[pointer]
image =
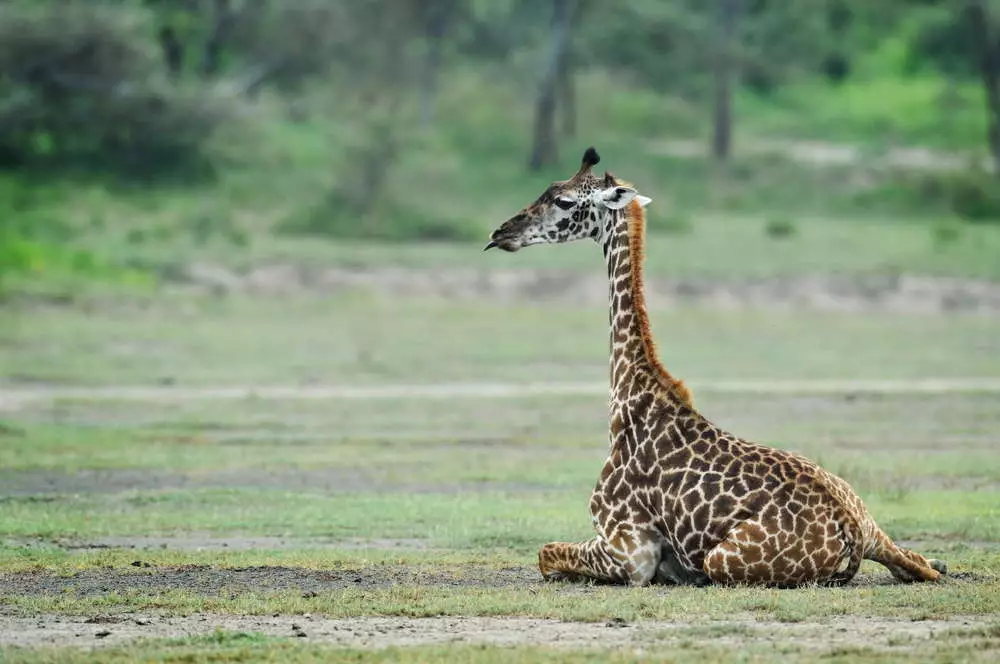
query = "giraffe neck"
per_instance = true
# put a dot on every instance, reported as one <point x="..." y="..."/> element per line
<point x="634" y="361"/>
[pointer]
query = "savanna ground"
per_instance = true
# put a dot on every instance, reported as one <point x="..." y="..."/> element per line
<point x="364" y="472"/>
<point x="270" y="447"/>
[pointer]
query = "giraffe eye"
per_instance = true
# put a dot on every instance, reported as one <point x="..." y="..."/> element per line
<point x="565" y="203"/>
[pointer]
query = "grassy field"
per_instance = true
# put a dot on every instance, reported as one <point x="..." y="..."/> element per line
<point x="303" y="529"/>
<point x="780" y="213"/>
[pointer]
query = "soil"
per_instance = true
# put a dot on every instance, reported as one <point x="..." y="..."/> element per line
<point x="102" y="629"/>
<point x="382" y="632"/>
<point x="853" y="293"/>
<point x="210" y="580"/>
<point x="210" y="542"/>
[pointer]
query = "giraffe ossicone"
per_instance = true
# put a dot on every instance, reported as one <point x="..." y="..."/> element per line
<point x="679" y="500"/>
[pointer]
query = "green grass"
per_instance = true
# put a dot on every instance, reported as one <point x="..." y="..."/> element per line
<point x="433" y="500"/>
<point x="464" y="520"/>
<point x="365" y="339"/>
<point x="256" y="648"/>
<point x="877" y="111"/>
<point x="732" y="245"/>
<point x="465" y="174"/>
<point x="587" y="603"/>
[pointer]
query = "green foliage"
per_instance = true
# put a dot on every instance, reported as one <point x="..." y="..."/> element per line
<point x="389" y="221"/>
<point x="972" y="194"/>
<point x="946" y="233"/>
<point x="82" y="86"/>
<point x="36" y="244"/>
<point x="780" y="228"/>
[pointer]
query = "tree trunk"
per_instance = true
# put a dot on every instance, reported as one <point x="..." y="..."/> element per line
<point x="988" y="46"/>
<point x="438" y="20"/>
<point x="722" y="134"/>
<point x="173" y="51"/>
<point x="223" y="19"/>
<point x="566" y="101"/>
<point x="544" y="150"/>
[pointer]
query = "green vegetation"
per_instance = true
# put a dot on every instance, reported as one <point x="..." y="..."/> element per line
<point x="415" y="506"/>
<point x="360" y="339"/>
<point x="255" y="648"/>
<point x="215" y="195"/>
<point x="272" y="123"/>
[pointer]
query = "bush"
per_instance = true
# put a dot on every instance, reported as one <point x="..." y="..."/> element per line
<point x="973" y="194"/>
<point x="779" y="228"/>
<point x="83" y="85"/>
<point x="387" y="222"/>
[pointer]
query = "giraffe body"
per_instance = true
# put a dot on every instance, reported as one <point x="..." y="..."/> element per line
<point x="679" y="500"/>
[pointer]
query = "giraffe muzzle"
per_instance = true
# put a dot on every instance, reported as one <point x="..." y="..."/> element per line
<point x="510" y="244"/>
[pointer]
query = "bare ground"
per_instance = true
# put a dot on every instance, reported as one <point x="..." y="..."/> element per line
<point x="381" y="632"/>
<point x="210" y="580"/>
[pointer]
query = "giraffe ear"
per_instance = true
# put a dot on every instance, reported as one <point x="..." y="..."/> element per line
<point x="618" y="197"/>
<point x="643" y="200"/>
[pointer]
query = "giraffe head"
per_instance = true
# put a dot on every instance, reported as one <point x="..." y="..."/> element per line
<point x="580" y="207"/>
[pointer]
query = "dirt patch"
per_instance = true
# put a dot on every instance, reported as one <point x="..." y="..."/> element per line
<point x="209" y="580"/>
<point x="209" y="542"/>
<point x="382" y="632"/>
<point x="858" y="293"/>
<point x="34" y="483"/>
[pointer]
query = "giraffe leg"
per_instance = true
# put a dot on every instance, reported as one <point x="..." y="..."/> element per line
<point x="670" y="571"/>
<point x="631" y="558"/>
<point x="904" y="564"/>
<point x="755" y="553"/>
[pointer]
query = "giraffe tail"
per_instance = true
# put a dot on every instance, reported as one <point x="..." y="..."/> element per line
<point x="904" y="564"/>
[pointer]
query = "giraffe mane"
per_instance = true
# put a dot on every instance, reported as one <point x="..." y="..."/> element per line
<point x="637" y="250"/>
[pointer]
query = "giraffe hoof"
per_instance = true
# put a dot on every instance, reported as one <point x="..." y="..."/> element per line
<point x="939" y="566"/>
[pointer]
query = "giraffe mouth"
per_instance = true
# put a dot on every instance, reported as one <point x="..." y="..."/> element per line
<point x="509" y="244"/>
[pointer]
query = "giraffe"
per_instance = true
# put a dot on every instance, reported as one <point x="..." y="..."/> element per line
<point x="679" y="500"/>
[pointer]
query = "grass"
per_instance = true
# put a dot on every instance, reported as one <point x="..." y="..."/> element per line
<point x="587" y="604"/>
<point x="439" y="504"/>
<point x="244" y="647"/>
<point x="738" y="243"/>
<point x="465" y="175"/>
<point x="359" y="339"/>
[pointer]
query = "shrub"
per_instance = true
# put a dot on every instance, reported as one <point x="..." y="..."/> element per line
<point x="972" y="194"/>
<point x="779" y="228"/>
<point x="83" y="85"/>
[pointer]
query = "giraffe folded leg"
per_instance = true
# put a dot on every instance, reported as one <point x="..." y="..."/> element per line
<point x="904" y="564"/>
<point x="631" y="559"/>
<point x="755" y="554"/>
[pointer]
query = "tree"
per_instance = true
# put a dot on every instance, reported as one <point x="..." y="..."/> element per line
<point x="436" y="17"/>
<point x="544" y="150"/>
<point x="722" y="125"/>
<point x="984" y="29"/>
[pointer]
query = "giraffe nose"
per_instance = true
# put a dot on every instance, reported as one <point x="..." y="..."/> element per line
<point x="493" y="240"/>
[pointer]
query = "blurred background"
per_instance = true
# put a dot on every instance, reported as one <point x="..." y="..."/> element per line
<point x="238" y="144"/>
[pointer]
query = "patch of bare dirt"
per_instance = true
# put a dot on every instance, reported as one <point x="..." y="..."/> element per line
<point x="210" y="542"/>
<point x="383" y="632"/>
<point x="853" y="293"/>
<point x="209" y="580"/>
